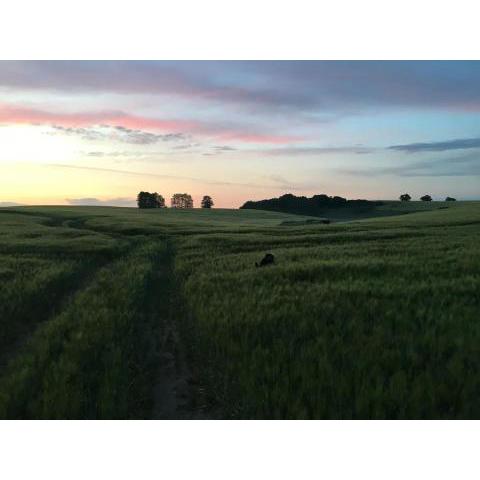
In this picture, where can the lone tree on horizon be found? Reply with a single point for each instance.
(207, 201)
(405, 197)
(150, 200)
(181, 200)
(450, 199)
(426, 198)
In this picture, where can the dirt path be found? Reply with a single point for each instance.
(177, 393)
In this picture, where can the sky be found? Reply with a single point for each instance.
(98, 132)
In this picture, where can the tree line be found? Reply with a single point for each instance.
(405, 197)
(308, 206)
(285, 203)
(178, 200)
(318, 204)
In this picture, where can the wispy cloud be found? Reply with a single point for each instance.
(118, 133)
(75, 122)
(91, 201)
(293, 151)
(456, 144)
(164, 176)
(285, 184)
(224, 148)
(459, 166)
(10, 204)
(186, 146)
(113, 154)
(218, 150)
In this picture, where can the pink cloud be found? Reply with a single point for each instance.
(10, 114)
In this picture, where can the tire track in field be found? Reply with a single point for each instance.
(177, 394)
(174, 391)
(83, 278)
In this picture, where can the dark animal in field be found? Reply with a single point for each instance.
(268, 259)
(325, 221)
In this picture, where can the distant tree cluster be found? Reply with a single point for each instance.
(178, 200)
(307, 206)
(425, 198)
(181, 200)
(150, 200)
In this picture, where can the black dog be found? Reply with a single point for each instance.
(268, 259)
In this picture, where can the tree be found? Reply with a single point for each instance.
(150, 200)
(339, 200)
(450, 199)
(405, 197)
(182, 200)
(426, 198)
(207, 202)
(142, 199)
(157, 200)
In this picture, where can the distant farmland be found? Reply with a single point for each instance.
(122, 313)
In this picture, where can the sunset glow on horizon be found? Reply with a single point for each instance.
(98, 132)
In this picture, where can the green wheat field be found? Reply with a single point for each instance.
(118, 313)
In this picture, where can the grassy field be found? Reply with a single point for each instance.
(108, 312)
